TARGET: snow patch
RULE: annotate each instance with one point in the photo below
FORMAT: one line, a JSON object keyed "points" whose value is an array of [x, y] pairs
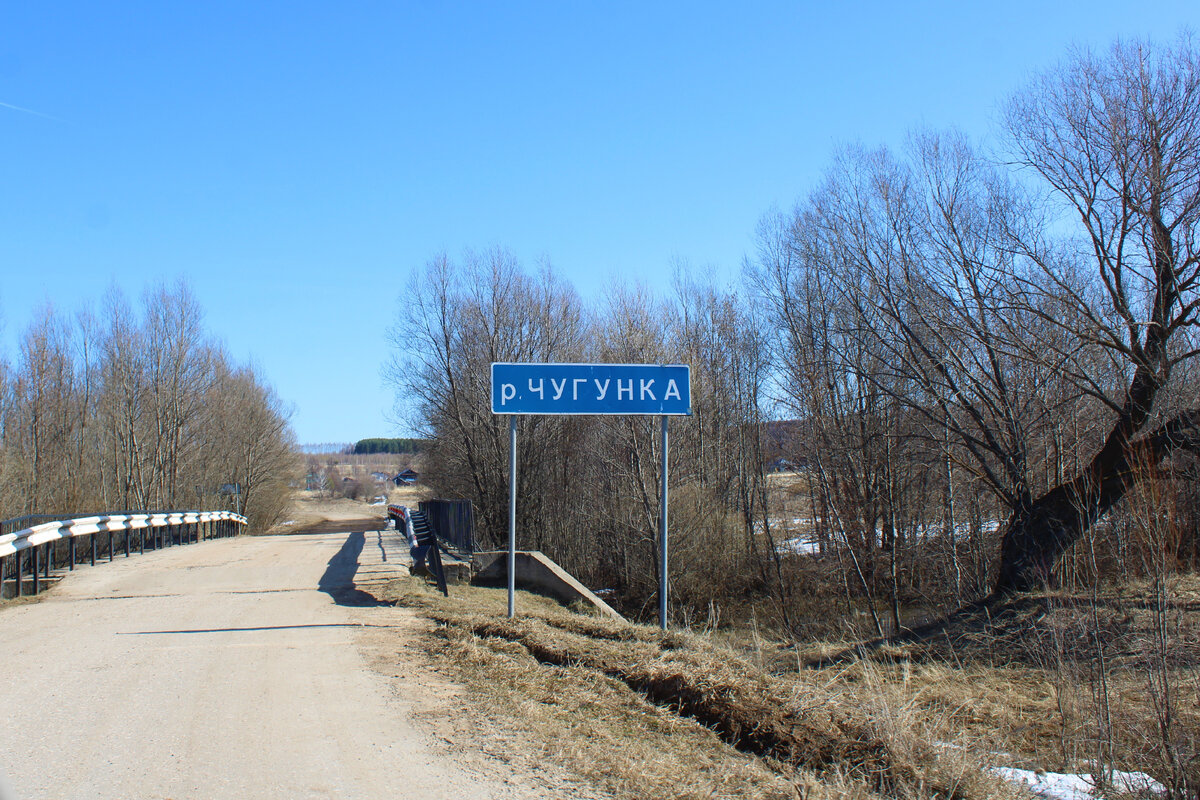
{"points": [[799, 545], [1063, 786]]}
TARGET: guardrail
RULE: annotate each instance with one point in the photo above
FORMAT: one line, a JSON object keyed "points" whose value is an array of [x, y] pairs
{"points": [[453, 522], [31, 551], [423, 540]]}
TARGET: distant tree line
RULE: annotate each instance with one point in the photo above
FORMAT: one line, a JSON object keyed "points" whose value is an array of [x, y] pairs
{"points": [[988, 361], [138, 409], [366, 447]]}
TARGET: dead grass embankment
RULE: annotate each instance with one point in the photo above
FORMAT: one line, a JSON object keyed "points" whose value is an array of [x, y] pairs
{"points": [[651, 714]]}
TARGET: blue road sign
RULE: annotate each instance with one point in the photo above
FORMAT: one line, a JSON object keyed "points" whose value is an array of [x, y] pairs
{"points": [[659, 389]]}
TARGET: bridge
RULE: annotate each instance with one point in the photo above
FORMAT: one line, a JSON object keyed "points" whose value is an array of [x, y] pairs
{"points": [[234, 667]]}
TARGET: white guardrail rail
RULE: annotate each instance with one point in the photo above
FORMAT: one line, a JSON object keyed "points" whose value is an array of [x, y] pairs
{"points": [[38, 545]]}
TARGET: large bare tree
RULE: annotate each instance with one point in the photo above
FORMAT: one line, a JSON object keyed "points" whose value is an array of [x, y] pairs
{"points": [[1117, 139], [1039, 351]]}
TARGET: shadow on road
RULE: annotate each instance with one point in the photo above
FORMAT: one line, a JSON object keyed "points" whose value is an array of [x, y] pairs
{"points": [[338, 580], [259, 628]]}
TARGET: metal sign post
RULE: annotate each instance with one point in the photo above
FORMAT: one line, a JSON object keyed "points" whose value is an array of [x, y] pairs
{"points": [[662, 535], [661, 390], [512, 517]]}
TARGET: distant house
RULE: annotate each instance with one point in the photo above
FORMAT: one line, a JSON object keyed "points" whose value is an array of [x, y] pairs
{"points": [[380, 477], [405, 478]]}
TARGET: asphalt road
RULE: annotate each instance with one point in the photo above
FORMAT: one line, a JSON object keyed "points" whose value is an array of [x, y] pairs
{"points": [[234, 668]]}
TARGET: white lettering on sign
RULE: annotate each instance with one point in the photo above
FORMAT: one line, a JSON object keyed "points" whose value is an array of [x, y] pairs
{"points": [[558, 390], [625, 389], [507, 392], [575, 387], [540, 390], [602, 389], [672, 390], [645, 386]]}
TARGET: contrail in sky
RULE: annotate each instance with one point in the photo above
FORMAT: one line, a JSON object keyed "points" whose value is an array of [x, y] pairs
{"points": [[28, 111]]}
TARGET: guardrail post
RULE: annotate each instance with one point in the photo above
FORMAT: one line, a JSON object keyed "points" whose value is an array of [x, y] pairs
{"points": [[49, 558], [110, 546], [36, 568], [127, 543], [71, 552], [18, 593], [93, 538]]}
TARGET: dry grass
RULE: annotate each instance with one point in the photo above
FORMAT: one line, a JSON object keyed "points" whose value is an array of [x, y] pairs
{"points": [[1053, 681], [23, 600], [647, 714], [409, 495]]}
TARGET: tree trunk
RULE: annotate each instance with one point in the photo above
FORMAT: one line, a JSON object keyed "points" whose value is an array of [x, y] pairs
{"points": [[1041, 531]]}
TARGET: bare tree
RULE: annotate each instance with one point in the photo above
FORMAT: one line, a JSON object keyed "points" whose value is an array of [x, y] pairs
{"points": [[1040, 364], [136, 414], [456, 321], [1118, 141]]}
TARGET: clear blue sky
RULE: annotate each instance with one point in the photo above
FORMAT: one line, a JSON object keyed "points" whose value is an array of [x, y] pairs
{"points": [[295, 161]]}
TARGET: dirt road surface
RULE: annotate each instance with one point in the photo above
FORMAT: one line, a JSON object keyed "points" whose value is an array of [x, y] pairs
{"points": [[238, 668]]}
